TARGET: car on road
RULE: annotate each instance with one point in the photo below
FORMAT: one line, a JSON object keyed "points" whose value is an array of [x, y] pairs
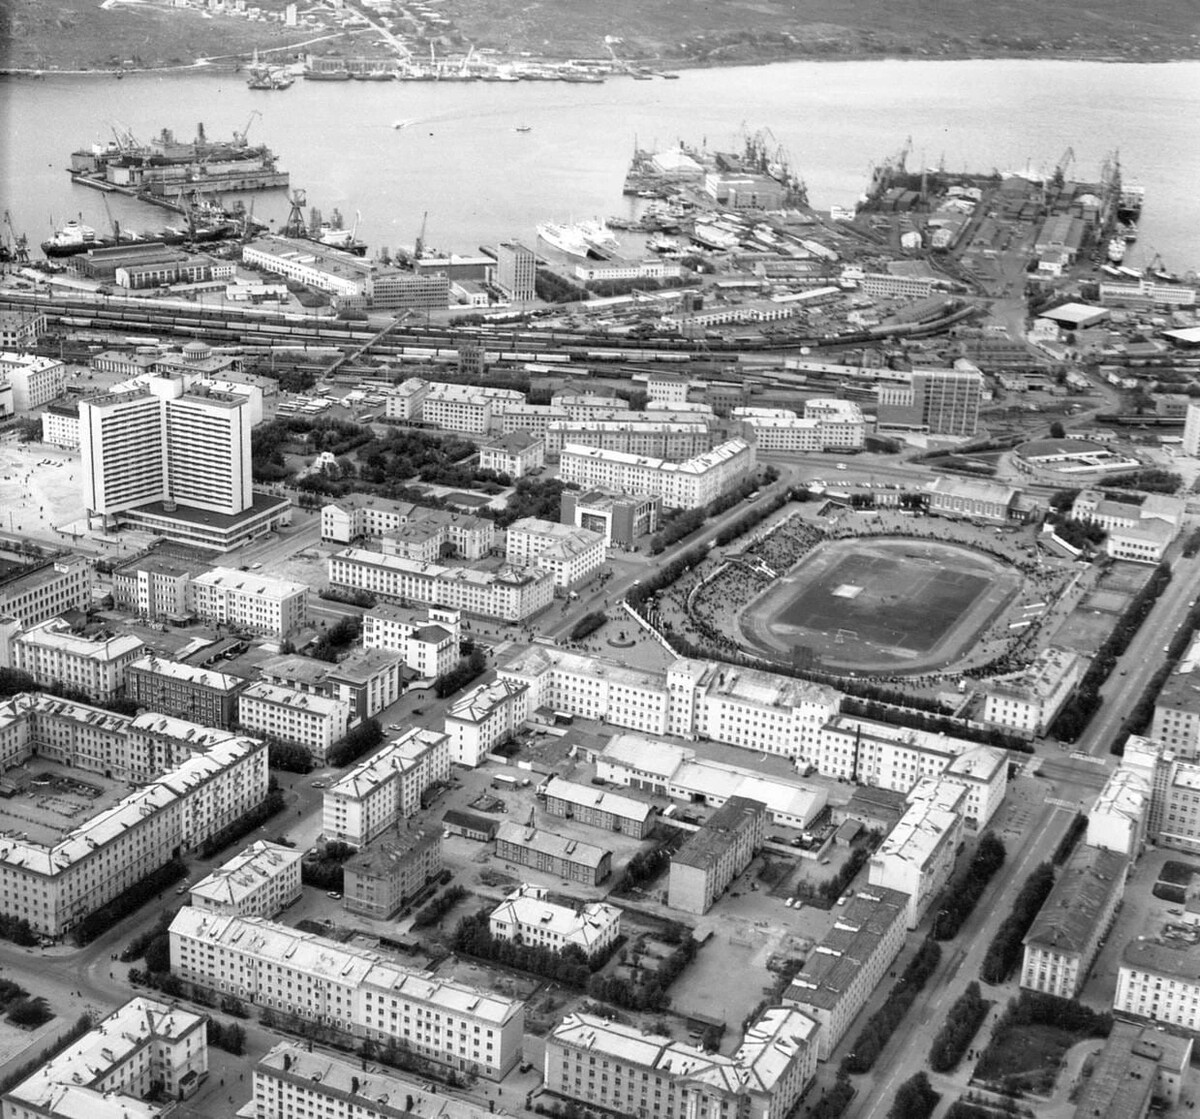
{"points": [[333, 894], [318, 784]]}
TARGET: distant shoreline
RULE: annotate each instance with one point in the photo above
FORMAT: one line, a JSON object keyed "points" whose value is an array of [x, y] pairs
{"points": [[225, 68]]}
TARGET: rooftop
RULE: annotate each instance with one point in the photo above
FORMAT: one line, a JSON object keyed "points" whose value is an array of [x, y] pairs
{"points": [[586, 926], [342, 964], [246, 872], [626, 807], [722, 829], [190, 673], [263, 586], [1071, 917], [552, 845]]}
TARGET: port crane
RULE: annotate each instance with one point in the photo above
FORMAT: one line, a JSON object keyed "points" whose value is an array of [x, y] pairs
{"points": [[20, 245], [295, 225], [124, 137], [241, 138], [419, 247]]}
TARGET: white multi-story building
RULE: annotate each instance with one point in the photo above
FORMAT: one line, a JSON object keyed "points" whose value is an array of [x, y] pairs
{"points": [[1118, 819], [528, 917], [485, 717], [315, 722], [155, 586], [169, 444], [827, 424], [356, 991], [917, 857], [386, 787], [354, 517], [427, 639], [516, 454], [46, 590], [53, 653], [1065, 937], [136, 1063], [185, 795], [1027, 702], [643, 434], [35, 380], [510, 594], [250, 601], [848, 966], [625, 1071], [468, 408], [572, 555], [292, 1082], [258, 881], [1159, 978], [1176, 722], [60, 425], [367, 680], [681, 485], [692, 699], [867, 752], [715, 855]]}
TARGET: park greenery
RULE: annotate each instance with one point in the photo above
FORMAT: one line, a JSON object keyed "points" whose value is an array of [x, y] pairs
{"points": [[337, 639], [886, 1020], [962, 1023], [326, 868], [967, 887], [432, 913], [587, 625], [1004, 952], [290, 757]]}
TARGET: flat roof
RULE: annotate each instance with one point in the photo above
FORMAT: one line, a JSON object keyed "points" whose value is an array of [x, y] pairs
{"points": [[722, 829]]}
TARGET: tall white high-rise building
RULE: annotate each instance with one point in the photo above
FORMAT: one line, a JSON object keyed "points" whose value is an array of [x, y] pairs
{"points": [[174, 459]]}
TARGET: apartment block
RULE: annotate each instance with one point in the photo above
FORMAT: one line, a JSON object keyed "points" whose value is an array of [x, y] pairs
{"points": [[185, 690], [703, 867], [54, 880], [249, 601], [690, 484], [917, 857], [54, 653], [138, 1062], [600, 808], [1139, 1066], [743, 707], [483, 718], [932, 401], [632, 433], [510, 594], [866, 752], [528, 917], [1028, 701], [847, 966], [387, 787], [300, 719], [292, 1082], [356, 517], [155, 586], [517, 454], [625, 1071], [427, 639], [554, 854], [516, 271], [45, 590], [383, 876], [1119, 817], [465, 408], [35, 380], [571, 555], [258, 881], [1065, 937], [367, 680], [1176, 722], [359, 992]]}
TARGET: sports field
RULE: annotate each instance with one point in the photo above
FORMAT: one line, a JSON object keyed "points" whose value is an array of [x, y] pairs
{"points": [[882, 604]]}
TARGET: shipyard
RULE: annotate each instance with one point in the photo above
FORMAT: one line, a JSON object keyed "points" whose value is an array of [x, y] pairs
{"points": [[524, 600]]}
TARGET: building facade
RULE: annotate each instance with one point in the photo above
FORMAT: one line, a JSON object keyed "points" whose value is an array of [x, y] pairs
{"points": [[554, 854], [296, 718], [527, 916], [703, 867], [571, 555], [382, 877], [53, 653], [483, 718], [258, 881], [358, 992], [600, 808], [249, 601], [184, 690]]}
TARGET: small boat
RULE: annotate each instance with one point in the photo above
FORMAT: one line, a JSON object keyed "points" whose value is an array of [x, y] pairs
{"points": [[399, 124], [1116, 250], [524, 128]]}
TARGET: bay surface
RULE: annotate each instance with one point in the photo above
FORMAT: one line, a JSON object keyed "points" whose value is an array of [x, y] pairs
{"points": [[460, 158]]}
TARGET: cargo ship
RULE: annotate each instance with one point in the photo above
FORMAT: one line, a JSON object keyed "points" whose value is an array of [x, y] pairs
{"points": [[75, 237]]}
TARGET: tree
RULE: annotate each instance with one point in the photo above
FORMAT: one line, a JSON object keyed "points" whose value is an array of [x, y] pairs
{"points": [[915, 1099], [1057, 431], [29, 1012]]}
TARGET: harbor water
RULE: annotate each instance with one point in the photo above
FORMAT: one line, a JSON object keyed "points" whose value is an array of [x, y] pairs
{"points": [[396, 150]]}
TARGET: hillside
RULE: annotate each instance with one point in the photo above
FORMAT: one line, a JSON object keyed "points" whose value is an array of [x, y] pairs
{"points": [[82, 34]]}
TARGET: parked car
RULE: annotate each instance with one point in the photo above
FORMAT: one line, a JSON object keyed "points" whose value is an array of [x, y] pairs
{"points": [[333, 894]]}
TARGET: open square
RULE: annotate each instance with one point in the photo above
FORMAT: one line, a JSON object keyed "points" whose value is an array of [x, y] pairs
{"points": [[882, 603]]}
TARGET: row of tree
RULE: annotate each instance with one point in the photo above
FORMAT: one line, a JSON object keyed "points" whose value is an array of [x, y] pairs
{"points": [[290, 757], [270, 805], [356, 742], [915, 1099], [962, 1023], [1006, 949], [886, 1020], [1077, 712], [129, 901], [966, 887], [439, 907], [570, 967], [468, 669], [587, 625]]}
